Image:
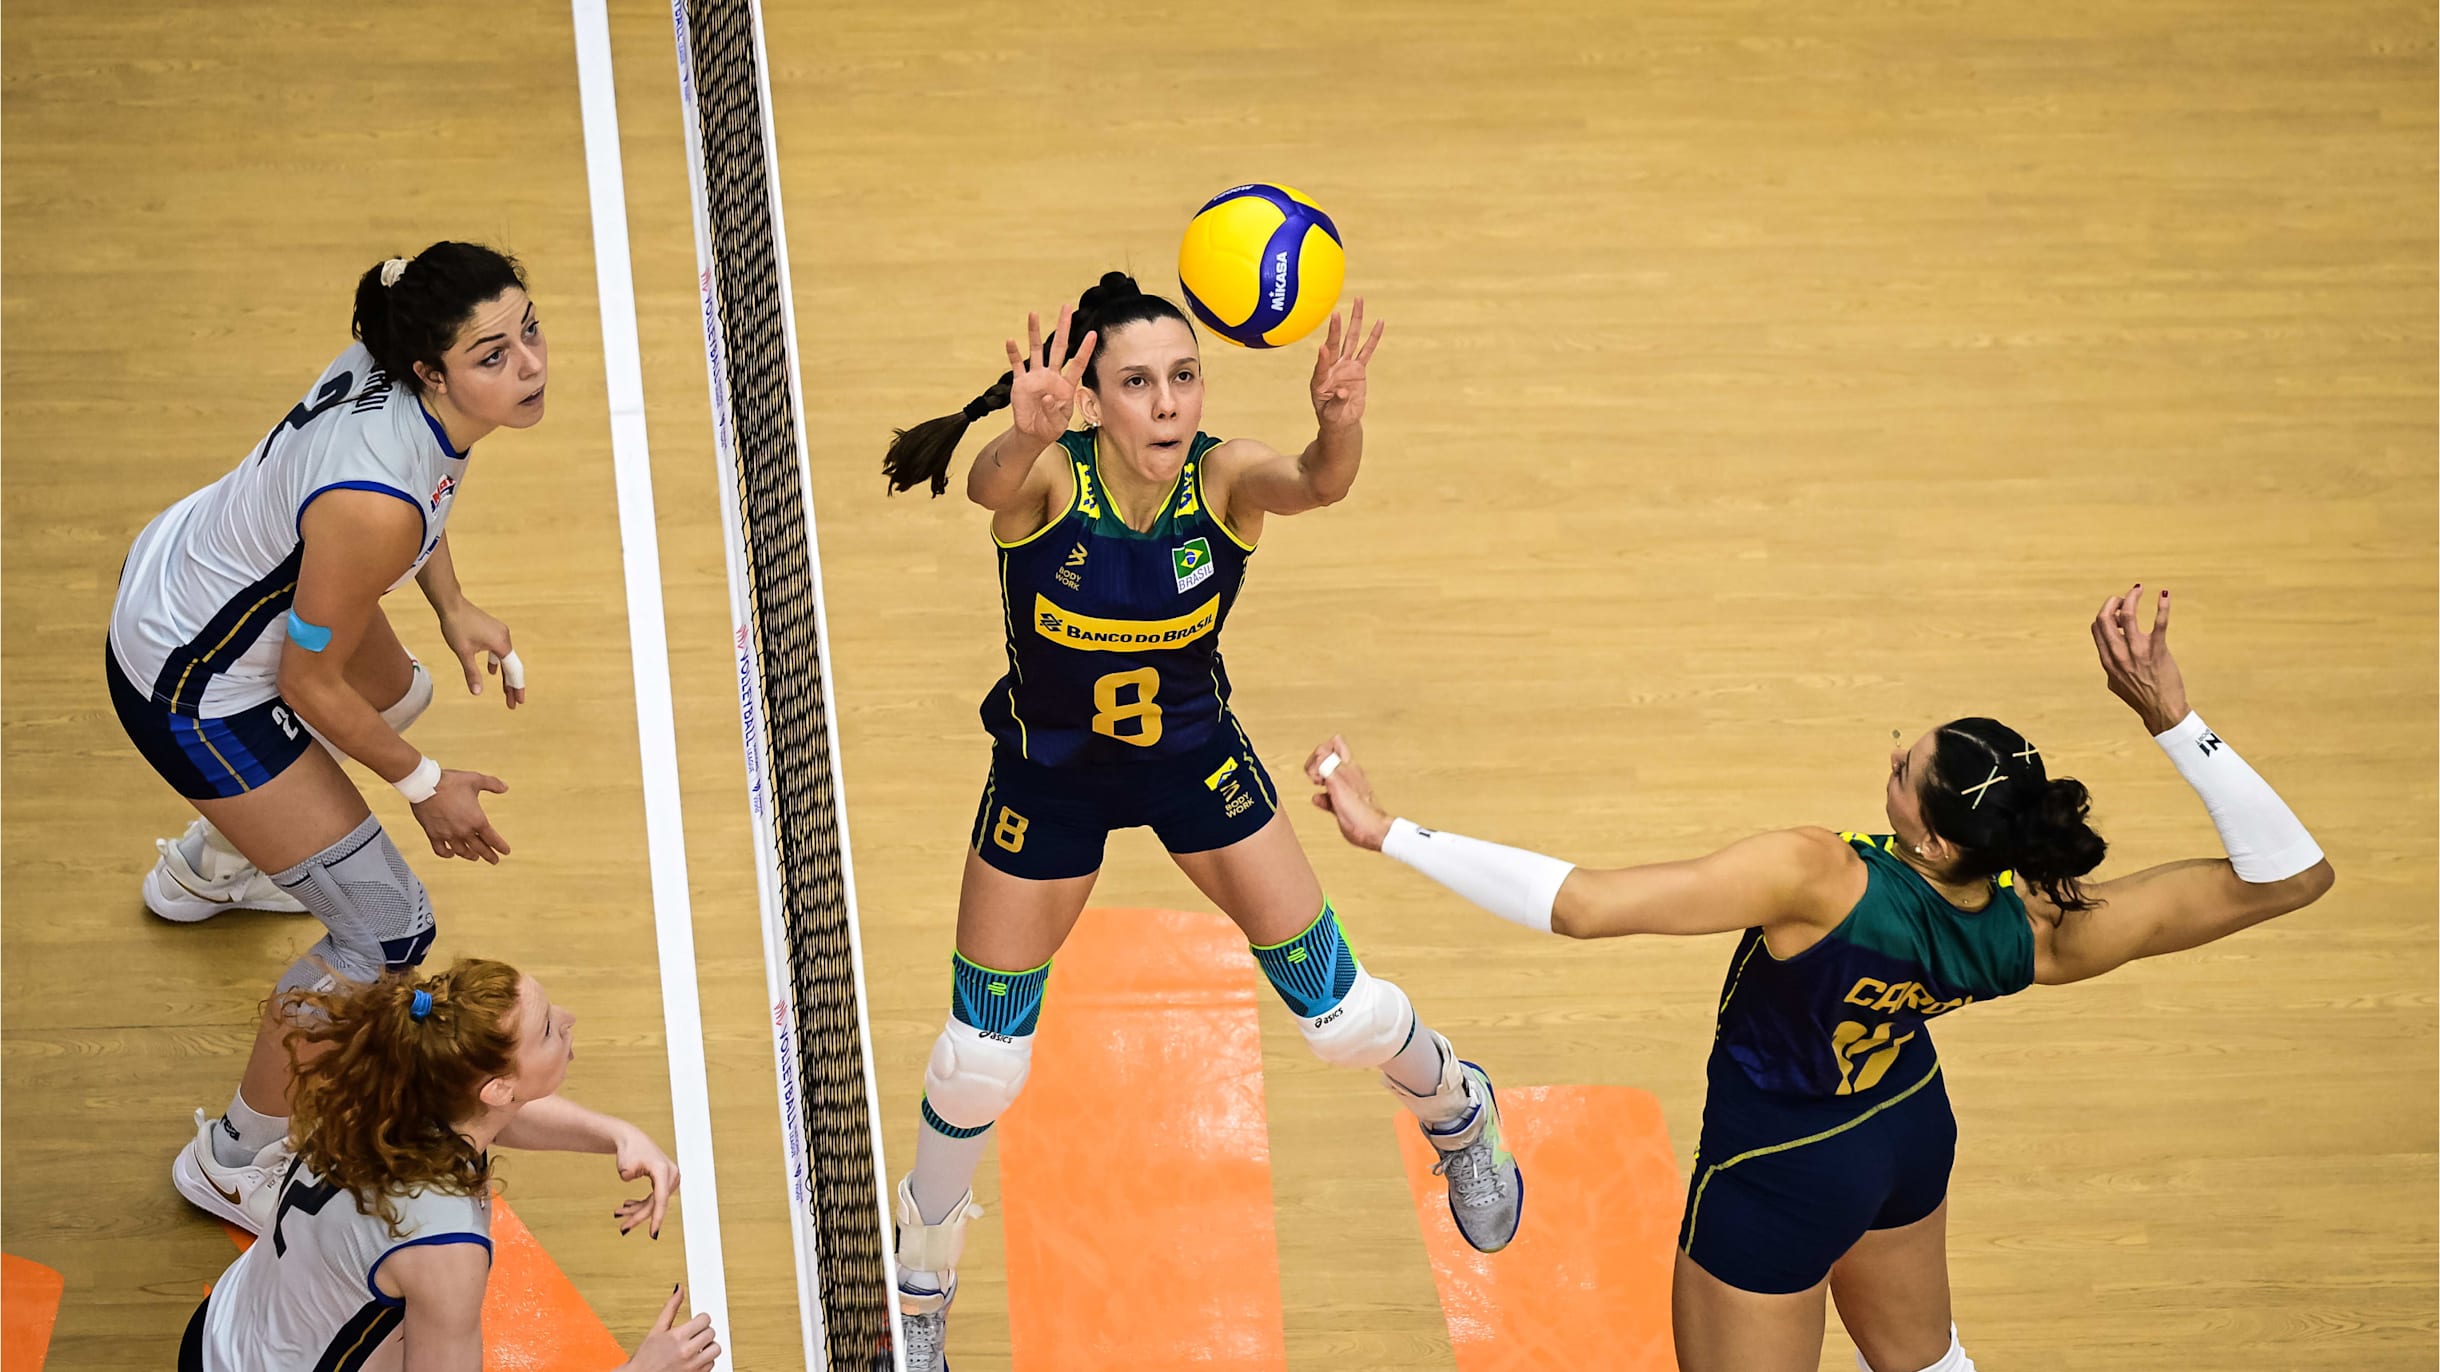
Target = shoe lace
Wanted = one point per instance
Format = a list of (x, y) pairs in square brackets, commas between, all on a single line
[(1471, 1173)]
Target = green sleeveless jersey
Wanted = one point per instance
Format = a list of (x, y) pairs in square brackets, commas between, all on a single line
[(1848, 1015)]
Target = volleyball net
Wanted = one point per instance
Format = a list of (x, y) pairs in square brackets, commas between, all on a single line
[(838, 1207)]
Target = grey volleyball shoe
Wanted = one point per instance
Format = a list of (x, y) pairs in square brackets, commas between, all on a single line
[(1486, 1187), (927, 1334)]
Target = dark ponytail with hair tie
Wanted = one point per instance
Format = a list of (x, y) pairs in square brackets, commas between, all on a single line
[(1988, 793), (924, 452)]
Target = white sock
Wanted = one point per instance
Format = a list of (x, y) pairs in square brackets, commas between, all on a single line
[(944, 1170), (1426, 1079), (243, 1133), (1955, 1360), (1417, 1066)]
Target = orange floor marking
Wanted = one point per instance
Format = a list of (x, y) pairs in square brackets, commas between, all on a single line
[(1589, 1269), (534, 1320), (29, 1306), (1135, 1171)]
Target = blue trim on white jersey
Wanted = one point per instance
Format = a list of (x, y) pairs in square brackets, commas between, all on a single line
[(382, 487), (439, 432), (455, 1236)]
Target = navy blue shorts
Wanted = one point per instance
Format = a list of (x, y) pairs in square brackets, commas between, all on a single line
[(1047, 823), (207, 759), (1784, 1185)]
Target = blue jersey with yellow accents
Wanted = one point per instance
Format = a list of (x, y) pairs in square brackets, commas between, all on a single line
[(1114, 633), (1847, 1016)]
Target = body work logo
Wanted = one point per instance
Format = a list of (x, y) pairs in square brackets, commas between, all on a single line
[(1192, 563)]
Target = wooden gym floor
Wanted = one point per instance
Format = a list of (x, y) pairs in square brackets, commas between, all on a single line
[(1758, 381)]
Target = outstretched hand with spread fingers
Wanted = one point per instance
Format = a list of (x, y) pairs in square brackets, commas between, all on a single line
[(1338, 369), (2141, 672), (1042, 392)]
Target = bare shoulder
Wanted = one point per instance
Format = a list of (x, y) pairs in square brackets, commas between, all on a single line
[(1812, 850)]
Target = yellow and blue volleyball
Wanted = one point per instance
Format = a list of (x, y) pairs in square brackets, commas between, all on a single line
[(1261, 265)]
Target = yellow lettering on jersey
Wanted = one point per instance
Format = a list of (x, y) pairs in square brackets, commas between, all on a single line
[(1122, 635), (1875, 994), (1087, 503), (1187, 504)]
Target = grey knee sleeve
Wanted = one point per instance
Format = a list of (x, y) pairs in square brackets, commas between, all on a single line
[(379, 916)]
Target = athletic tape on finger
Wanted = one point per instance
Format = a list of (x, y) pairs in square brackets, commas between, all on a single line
[(512, 671), (1330, 763)]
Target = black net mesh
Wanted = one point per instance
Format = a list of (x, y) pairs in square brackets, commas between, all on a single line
[(829, 1046)]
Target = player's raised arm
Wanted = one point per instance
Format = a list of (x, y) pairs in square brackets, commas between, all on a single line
[(1785, 877), (1261, 481), (2273, 865), (1040, 396)]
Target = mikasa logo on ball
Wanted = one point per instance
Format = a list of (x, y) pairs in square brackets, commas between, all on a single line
[(1279, 280)]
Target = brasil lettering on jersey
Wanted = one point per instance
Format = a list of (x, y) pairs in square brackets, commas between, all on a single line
[(1121, 635)]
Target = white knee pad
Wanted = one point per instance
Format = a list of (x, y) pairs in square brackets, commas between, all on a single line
[(401, 712), (410, 707), (973, 1076), (1955, 1360), (1366, 1028)]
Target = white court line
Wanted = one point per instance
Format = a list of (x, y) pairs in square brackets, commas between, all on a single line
[(648, 649)]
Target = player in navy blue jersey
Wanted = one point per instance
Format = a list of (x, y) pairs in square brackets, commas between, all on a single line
[(1122, 545)]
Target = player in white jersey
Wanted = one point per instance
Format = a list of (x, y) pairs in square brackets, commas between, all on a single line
[(248, 625), (380, 1248)]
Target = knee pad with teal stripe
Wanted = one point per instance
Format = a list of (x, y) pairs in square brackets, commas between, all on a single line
[(1351, 1017), (981, 1059)]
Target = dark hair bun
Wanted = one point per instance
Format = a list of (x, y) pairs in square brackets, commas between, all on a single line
[(1114, 288), (2057, 842)]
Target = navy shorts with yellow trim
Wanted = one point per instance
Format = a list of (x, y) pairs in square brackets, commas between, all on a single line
[(207, 759), (1784, 1185), (1047, 823)]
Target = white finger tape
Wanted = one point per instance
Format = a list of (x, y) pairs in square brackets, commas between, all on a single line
[(1330, 763), (512, 671)]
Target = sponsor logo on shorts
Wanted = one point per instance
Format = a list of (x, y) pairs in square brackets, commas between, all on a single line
[(1095, 635), (1235, 800), (1192, 563)]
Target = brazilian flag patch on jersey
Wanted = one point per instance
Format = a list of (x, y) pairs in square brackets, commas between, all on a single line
[(1193, 563)]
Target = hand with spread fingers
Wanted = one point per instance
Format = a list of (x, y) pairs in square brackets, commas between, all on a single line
[(2141, 672), (1338, 369), (1042, 391)]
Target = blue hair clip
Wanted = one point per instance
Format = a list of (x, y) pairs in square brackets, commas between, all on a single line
[(422, 1005)]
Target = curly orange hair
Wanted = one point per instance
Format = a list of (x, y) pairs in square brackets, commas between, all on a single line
[(377, 1112)]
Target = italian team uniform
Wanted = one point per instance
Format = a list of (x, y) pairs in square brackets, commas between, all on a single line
[(202, 613)]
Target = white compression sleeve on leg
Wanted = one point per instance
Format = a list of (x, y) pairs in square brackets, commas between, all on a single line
[(2265, 840), (1512, 883)]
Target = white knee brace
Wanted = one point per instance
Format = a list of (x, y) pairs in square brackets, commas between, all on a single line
[(1366, 1028), (973, 1076)]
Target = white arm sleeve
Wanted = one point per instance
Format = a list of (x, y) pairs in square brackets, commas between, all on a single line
[(2264, 839), (1512, 883)]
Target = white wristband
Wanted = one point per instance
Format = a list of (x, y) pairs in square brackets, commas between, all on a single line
[(2264, 839), (417, 786), (1516, 885)]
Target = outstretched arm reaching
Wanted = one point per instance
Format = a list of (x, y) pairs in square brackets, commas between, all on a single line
[(2273, 866), (1788, 877)]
